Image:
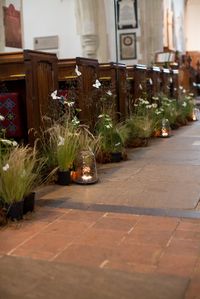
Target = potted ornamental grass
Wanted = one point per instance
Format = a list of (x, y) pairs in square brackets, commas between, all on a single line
[(140, 130), (64, 142), (112, 139), (19, 175)]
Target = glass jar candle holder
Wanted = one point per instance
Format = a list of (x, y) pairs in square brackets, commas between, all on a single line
[(165, 128), (85, 170), (195, 114)]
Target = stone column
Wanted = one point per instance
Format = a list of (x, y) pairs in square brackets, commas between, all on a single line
[(151, 22), (87, 26)]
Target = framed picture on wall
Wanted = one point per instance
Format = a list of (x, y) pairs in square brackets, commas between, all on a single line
[(12, 25), (128, 46), (127, 14)]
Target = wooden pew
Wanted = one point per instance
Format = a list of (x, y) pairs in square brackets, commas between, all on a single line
[(80, 87), (175, 87), (140, 82), (166, 82), (33, 75), (154, 73), (130, 89), (113, 75)]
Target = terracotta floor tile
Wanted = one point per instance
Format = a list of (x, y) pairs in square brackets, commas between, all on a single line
[(101, 237), (123, 216), (10, 243), (154, 237), (184, 247), (189, 224), (47, 214), (177, 264), (67, 228), (157, 223), (115, 223), (83, 216), (130, 267), (187, 235), (84, 255), (137, 254), (37, 254), (43, 243)]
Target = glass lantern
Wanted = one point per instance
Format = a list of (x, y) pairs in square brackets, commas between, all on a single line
[(165, 128), (85, 168), (195, 114)]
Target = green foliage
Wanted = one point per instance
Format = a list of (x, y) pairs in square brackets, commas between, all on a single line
[(19, 173), (63, 145), (87, 141), (140, 126), (112, 136)]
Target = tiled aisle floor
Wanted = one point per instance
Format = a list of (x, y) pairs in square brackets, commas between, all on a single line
[(98, 230), (125, 242)]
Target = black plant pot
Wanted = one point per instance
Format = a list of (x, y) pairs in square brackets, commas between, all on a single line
[(29, 203), (116, 157), (15, 210), (64, 177)]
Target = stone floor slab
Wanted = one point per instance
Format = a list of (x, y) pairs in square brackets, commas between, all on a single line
[(33, 279)]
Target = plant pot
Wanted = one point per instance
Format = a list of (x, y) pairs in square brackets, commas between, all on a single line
[(29, 203), (116, 157), (15, 210), (138, 142), (2, 216), (64, 177)]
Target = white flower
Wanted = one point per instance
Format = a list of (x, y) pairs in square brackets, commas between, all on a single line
[(146, 102), (184, 91), (61, 141), (77, 71), (6, 141), (54, 95), (117, 144), (109, 126), (148, 106), (154, 105), (97, 84), (194, 84), (135, 105), (140, 86), (157, 112), (75, 121), (109, 92), (180, 87), (155, 98), (6, 167), (100, 116), (150, 81), (14, 143), (2, 117), (70, 104), (184, 104)]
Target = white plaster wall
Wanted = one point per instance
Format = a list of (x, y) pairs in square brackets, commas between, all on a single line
[(110, 21), (193, 25), (52, 17), (179, 19)]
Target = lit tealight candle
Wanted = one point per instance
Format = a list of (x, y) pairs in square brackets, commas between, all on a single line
[(86, 177), (165, 133)]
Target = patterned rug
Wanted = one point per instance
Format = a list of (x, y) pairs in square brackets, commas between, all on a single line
[(10, 109)]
